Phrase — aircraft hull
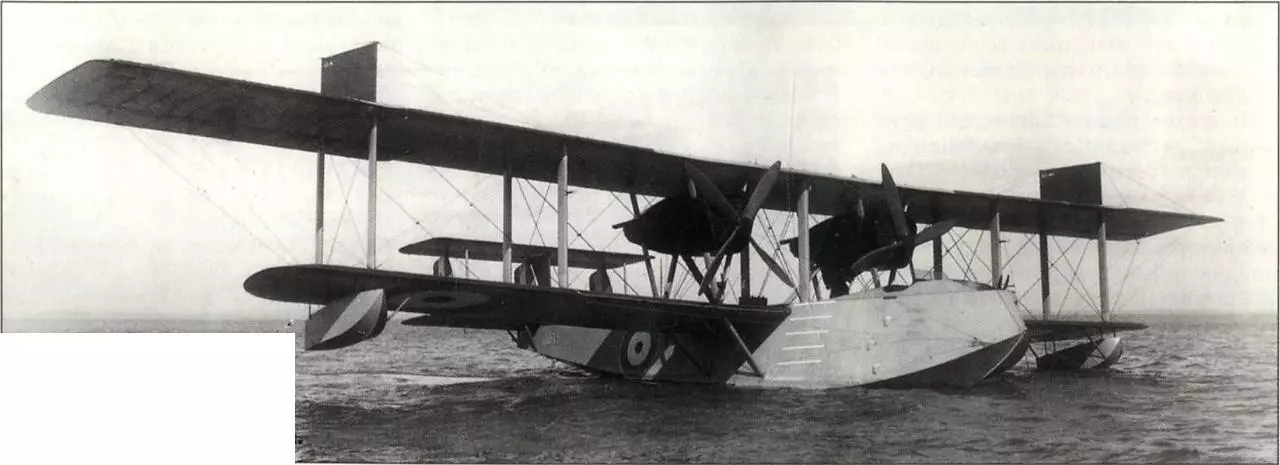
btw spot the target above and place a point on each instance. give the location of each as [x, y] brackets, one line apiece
[1018, 353]
[932, 334]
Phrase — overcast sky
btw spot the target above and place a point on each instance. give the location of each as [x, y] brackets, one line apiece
[1177, 101]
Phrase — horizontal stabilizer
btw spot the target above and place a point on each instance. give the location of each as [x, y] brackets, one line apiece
[520, 253]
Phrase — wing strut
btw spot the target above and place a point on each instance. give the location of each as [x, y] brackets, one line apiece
[671, 277]
[562, 255]
[506, 226]
[996, 274]
[648, 264]
[742, 345]
[320, 208]
[802, 227]
[1104, 299]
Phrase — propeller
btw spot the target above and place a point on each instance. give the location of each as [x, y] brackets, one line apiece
[709, 189]
[906, 242]
[773, 265]
[934, 231]
[894, 200]
[722, 205]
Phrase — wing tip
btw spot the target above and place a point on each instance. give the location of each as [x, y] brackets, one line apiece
[46, 100]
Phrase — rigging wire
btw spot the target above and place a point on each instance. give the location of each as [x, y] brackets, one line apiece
[1113, 186]
[1140, 183]
[1124, 278]
[1158, 258]
[503, 110]
[541, 208]
[1076, 271]
[772, 236]
[965, 273]
[346, 207]
[777, 241]
[578, 233]
[1055, 261]
[252, 211]
[1030, 237]
[468, 200]
[289, 259]
[536, 218]
[589, 223]
[1088, 300]
[973, 255]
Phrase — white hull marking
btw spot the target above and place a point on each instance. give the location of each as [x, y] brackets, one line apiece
[803, 347]
[803, 333]
[800, 362]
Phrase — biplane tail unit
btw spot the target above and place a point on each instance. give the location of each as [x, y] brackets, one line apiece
[920, 330]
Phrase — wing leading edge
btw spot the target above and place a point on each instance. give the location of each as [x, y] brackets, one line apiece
[153, 97]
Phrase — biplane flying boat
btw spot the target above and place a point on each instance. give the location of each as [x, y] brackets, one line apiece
[925, 332]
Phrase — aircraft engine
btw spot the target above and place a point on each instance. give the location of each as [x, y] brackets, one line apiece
[877, 237]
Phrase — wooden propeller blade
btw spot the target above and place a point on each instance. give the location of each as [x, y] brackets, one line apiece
[871, 257]
[761, 192]
[711, 191]
[892, 197]
[773, 266]
[715, 263]
[934, 231]
[758, 196]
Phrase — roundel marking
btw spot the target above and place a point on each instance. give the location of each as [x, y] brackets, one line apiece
[444, 300]
[640, 350]
[639, 346]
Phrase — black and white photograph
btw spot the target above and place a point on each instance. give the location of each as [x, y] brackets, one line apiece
[640, 232]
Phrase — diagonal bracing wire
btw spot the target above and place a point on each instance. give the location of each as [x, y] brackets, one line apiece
[203, 193]
[1063, 253]
[1088, 300]
[346, 207]
[578, 233]
[528, 206]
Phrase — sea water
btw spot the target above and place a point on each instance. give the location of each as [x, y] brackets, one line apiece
[1189, 389]
[1199, 388]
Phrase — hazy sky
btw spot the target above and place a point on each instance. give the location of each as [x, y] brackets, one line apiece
[1177, 101]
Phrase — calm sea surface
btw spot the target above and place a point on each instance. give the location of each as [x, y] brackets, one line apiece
[1189, 389]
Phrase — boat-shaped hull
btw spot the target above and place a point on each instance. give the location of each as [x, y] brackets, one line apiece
[932, 334]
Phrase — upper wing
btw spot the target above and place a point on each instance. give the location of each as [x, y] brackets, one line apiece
[154, 97]
[491, 305]
[1058, 330]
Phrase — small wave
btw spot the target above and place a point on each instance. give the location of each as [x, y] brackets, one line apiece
[1176, 455]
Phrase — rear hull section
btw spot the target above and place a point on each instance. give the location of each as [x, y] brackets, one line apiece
[935, 333]
[1015, 356]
